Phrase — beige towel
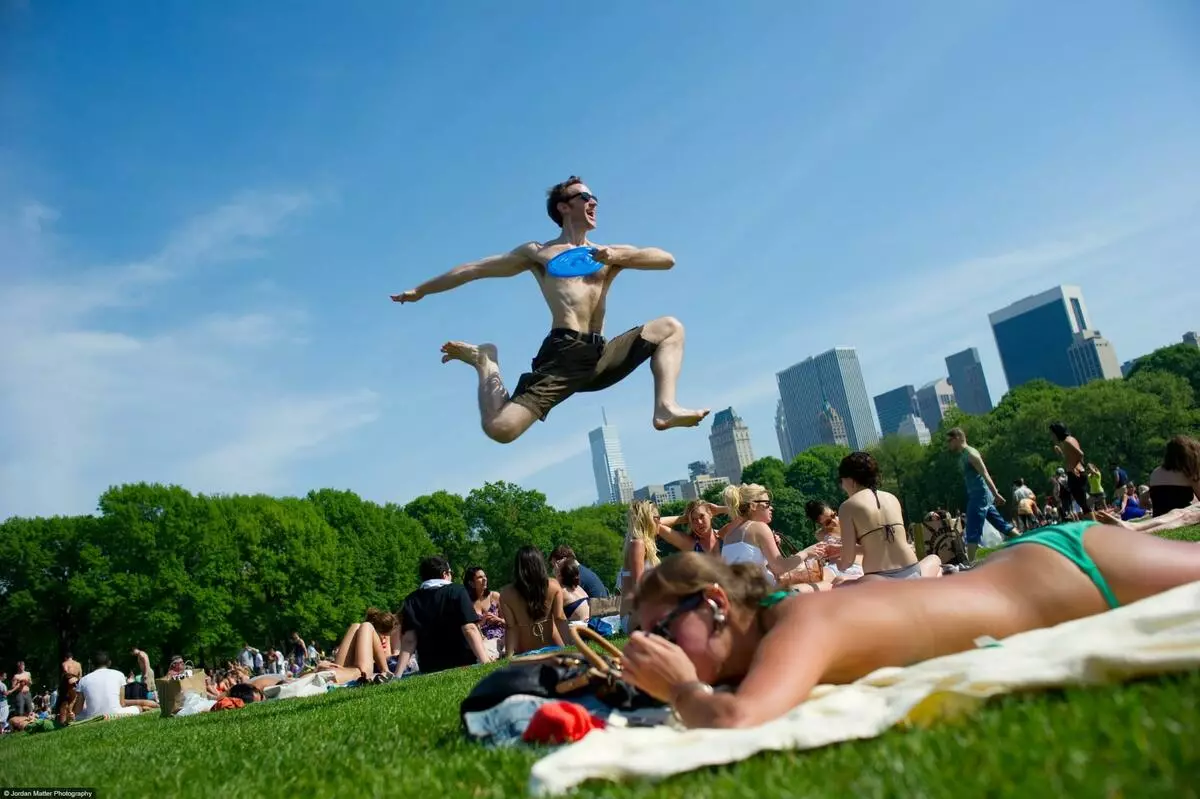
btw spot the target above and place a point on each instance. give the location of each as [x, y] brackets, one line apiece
[1157, 635]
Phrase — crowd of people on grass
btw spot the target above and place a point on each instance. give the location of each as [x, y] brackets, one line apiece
[727, 610]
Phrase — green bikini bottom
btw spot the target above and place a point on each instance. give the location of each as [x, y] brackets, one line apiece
[1067, 540]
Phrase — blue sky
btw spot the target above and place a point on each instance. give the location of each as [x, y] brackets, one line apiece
[204, 207]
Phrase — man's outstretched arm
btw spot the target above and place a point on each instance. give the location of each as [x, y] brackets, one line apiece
[506, 265]
[634, 257]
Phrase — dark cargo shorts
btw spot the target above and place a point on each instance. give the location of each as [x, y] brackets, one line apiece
[570, 362]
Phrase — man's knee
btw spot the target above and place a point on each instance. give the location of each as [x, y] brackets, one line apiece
[502, 431]
[663, 328]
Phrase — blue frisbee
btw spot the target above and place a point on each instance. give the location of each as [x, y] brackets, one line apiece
[575, 262]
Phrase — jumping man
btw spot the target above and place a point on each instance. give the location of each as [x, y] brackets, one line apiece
[575, 357]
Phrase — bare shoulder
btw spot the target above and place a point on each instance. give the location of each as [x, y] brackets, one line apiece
[528, 251]
[758, 528]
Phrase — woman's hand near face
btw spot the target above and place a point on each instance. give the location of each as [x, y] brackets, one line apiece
[656, 666]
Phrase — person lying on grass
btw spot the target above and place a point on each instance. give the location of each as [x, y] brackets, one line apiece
[717, 624]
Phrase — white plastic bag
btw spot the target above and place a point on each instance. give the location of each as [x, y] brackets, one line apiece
[991, 537]
[194, 703]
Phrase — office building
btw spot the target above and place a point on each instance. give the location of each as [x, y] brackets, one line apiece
[730, 442]
[623, 486]
[1192, 337]
[608, 466]
[781, 434]
[892, 407]
[913, 427]
[831, 427]
[678, 489]
[699, 469]
[657, 494]
[832, 378]
[1034, 334]
[970, 384]
[705, 482]
[1093, 358]
[933, 400]
[1127, 367]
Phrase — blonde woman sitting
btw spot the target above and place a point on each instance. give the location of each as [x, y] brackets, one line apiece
[700, 536]
[750, 539]
[641, 552]
[873, 523]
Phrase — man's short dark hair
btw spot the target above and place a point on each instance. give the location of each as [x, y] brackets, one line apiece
[1059, 430]
[558, 194]
[956, 432]
[562, 552]
[101, 660]
[434, 567]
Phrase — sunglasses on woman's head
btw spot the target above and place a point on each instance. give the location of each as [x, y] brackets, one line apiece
[686, 605]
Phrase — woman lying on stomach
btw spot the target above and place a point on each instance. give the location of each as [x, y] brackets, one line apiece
[717, 624]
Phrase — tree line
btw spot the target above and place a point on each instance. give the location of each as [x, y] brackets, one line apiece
[178, 573]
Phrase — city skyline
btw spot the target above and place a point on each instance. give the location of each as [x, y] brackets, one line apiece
[905, 410]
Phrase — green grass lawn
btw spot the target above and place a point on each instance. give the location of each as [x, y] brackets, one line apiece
[1136, 740]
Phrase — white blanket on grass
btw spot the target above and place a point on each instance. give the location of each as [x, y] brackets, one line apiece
[1157, 635]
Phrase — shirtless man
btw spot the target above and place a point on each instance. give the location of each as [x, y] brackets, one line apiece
[1072, 455]
[575, 357]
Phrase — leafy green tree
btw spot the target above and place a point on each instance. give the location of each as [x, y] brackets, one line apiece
[814, 472]
[788, 517]
[442, 515]
[769, 472]
[1181, 360]
[506, 517]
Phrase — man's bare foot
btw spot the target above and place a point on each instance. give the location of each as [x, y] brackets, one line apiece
[469, 353]
[666, 418]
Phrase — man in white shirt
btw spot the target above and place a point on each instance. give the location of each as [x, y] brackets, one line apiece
[101, 692]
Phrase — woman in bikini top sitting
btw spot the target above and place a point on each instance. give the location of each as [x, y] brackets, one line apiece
[874, 521]
[700, 537]
[575, 598]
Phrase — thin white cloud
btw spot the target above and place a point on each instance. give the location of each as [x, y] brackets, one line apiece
[272, 434]
[85, 403]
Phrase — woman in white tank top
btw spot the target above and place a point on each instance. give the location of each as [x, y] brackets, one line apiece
[749, 539]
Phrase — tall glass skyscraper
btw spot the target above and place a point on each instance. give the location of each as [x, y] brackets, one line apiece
[969, 382]
[1033, 335]
[834, 377]
[613, 484]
